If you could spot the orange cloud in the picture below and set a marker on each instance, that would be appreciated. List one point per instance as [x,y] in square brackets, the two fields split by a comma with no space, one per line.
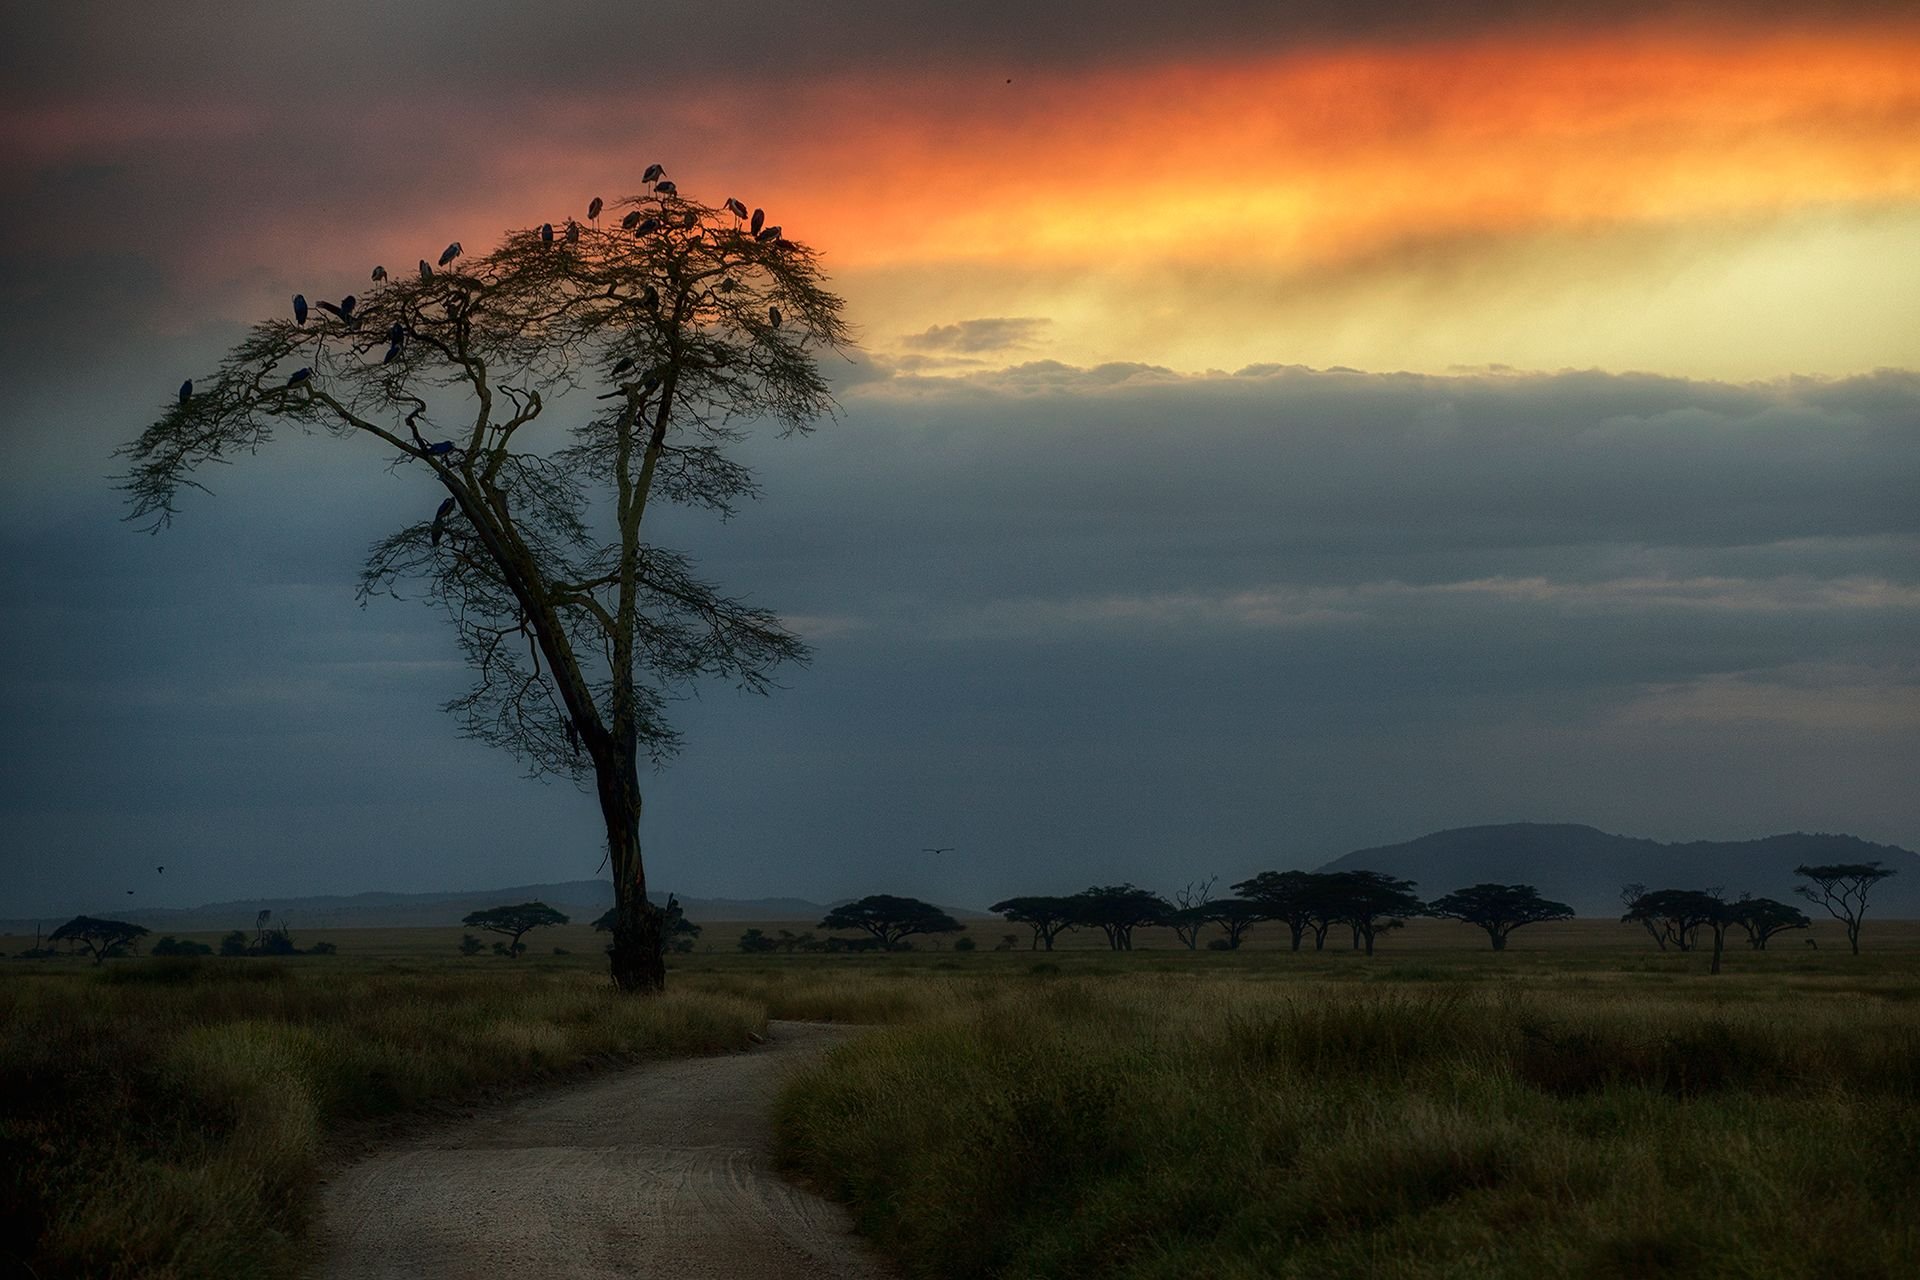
[1321,156]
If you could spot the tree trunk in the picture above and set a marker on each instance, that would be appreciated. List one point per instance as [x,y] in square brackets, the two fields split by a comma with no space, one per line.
[1298,931]
[1499,940]
[1368,934]
[1853,935]
[1719,944]
[638,952]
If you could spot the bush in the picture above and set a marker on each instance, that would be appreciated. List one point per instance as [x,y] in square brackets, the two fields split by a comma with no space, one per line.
[756,942]
[964,944]
[234,944]
[171,946]
[470,945]
[322,949]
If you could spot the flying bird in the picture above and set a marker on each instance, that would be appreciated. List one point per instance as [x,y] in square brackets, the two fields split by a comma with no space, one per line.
[665,189]
[773,316]
[593,209]
[186,391]
[546,233]
[947,848]
[426,272]
[759,220]
[299,376]
[379,274]
[299,308]
[631,221]
[653,174]
[158,869]
[440,521]
[768,233]
[735,208]
[449,253]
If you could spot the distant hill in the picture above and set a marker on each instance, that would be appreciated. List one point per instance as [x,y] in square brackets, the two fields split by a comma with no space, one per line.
[1584,867]
[581,899]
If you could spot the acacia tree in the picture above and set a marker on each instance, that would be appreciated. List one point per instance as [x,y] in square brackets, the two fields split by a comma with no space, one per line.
[1118,909]
[1842,888]
[1764,917]
[99,938]
[1189,914]
[1047,915]
[890,919]
[1236,916]
[1368,902]
[1286,896]
[515,922]
[1499,908]
[686,323]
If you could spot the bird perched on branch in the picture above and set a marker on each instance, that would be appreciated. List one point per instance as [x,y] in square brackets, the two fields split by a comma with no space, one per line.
[665,189]
[299,308]
[440,448]
[449,253]
[759,220]
[593,209]
[299,376]
[768,233]
[440,521]
[546,233]
[631,221]
[379,274]
[186,391]
[653,174]
[736,208]
[773,316]
[426,272]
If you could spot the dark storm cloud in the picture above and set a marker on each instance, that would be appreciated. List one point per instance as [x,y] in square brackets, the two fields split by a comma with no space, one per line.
[1086,623]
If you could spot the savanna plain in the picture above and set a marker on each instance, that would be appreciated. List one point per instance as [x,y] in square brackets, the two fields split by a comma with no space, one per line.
[1580,1104]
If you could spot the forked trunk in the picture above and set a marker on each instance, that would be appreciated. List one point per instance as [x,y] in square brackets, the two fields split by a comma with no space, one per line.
[638,950]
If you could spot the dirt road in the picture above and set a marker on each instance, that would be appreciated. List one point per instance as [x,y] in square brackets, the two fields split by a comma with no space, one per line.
[662,1170]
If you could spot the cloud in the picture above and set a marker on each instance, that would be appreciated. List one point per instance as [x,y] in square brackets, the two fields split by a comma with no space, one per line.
[971,337]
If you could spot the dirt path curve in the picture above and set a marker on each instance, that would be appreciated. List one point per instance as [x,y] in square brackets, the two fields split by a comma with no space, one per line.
[662,1170]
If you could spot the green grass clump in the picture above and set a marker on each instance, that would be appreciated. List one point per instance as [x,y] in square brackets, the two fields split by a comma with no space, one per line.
[1173,1127]
[168,1117]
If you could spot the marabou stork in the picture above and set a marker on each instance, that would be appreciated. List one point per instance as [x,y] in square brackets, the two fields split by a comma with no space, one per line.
[665,189]
[653,174]
[186,391]
[379,274]
[299,376]
[440,448]
[773,316]
[426,272]
[631,221]
[626,363]
[593,209]
[769,233]
[759,220]
[449,253]
[735,208]
[299,308]
[546,233]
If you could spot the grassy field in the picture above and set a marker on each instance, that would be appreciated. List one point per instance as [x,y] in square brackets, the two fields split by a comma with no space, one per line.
[1581,1104]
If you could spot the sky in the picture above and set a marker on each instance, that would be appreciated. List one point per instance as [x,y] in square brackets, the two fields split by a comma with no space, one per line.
[1275,429]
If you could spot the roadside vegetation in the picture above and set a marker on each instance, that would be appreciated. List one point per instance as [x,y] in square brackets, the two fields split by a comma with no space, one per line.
[1434,1122]
[169,1116]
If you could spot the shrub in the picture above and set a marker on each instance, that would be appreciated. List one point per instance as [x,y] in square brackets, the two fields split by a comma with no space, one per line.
[322,949]
[234,944]
[171,946]
[964,944]
[470,945]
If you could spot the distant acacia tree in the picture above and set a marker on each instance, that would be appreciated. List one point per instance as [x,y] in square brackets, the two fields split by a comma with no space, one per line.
[1682,913]
[1048,917]
[99,938]
[1632,893]
[1189,914]
[686,323]
[1235,916]
[1499,908]
[890,920]
[1367,902]
[1118,909]
[1842,889]
[515,922]
[1763,917]
[1286,896]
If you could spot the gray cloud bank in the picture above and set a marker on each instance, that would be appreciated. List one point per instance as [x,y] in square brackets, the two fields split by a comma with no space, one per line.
[1081,623]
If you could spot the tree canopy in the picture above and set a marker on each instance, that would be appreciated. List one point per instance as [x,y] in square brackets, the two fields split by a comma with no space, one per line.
[1047,916]
[99,938]
[1118,909]
[679,325]
[516,921]
[1842,888]
[1762,918]
[1291,897]
[1499,908]
[890,919]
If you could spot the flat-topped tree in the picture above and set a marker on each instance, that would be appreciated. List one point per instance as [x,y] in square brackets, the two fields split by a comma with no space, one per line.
[1764,917]
[1842,888]
[515,922]
[674,329]
[99,938]
[889,919]
[1118,909]
[1047,915]
[1499,909]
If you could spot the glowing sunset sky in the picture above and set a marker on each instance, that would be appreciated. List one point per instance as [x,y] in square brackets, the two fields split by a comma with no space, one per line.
[1514,401]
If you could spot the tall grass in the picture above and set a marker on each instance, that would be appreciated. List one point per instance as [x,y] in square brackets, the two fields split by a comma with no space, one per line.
[1174,1127]
[167,1117]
